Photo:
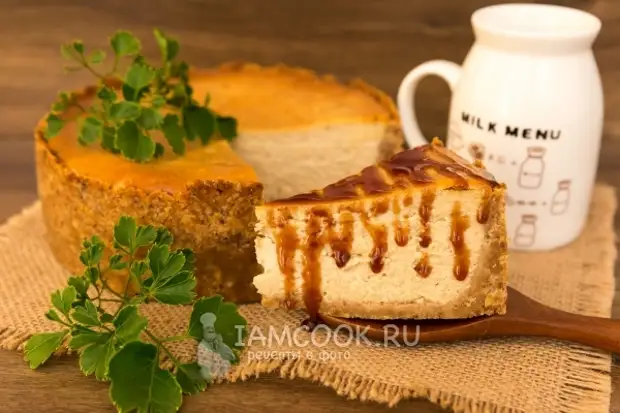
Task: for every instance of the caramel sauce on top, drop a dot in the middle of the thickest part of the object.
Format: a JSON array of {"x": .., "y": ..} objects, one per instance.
[
  {"x": 460, "y": 223},
  {"x": 421, "y": 166}
]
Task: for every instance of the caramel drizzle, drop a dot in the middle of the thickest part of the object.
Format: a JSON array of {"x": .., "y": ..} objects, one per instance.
[
  {"x": 401, "y": 229},
  {"x": 380, "y": 207},
  {"x": 408, "y": 200},
  {"x": 378, "y": 233},
  {"x": 423, "y": 267},
  {"x": 407, "y": 168},
  {"x": 342, "y": 243},
  {"x": 425, "y": 210},
  {"x": 484, "y": 209},
  {"x": 311, "y": 273},
  {"x": 286, "y": 247},
  {"x": 460, "y": 223}
]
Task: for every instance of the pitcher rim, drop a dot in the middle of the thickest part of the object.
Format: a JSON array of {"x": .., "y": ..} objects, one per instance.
[{"x": 589, "y": 24}]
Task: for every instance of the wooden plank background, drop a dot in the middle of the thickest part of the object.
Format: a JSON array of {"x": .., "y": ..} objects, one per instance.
[{"x": 376, "y": 40}]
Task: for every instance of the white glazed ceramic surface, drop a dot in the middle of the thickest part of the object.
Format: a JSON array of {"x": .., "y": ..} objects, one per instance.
[{"x": 528, "y": 102}]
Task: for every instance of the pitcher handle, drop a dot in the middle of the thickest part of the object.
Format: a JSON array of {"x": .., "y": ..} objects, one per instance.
[{"x": 448, "y": 71}]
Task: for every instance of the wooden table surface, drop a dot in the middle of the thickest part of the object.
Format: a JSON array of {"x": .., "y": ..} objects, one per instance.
[{"x": 379, "y": 41}]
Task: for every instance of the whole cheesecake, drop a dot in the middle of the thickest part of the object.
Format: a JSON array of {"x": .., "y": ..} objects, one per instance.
[
  {"x": 296, "y": 130},
  {"x": 421, "y": 235}
]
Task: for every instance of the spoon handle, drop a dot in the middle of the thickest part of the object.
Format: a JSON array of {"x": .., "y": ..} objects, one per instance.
[{"x": 597, "y": 332}]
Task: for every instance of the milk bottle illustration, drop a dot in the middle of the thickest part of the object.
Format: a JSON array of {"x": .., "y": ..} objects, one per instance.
[
  {"x": 561, "y": 199},
  {"x": 525, "y": 235},
  {"x": 532, "y": 169}
]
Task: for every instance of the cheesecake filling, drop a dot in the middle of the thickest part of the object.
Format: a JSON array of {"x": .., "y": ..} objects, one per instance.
[{"x": 426, "y": 243}]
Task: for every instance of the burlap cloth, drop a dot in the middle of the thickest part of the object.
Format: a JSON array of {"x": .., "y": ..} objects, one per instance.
[{"x": 513, "y": 375}]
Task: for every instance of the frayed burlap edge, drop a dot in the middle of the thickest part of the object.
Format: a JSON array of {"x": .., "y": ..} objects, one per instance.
[{"x": 589, "y": 369}]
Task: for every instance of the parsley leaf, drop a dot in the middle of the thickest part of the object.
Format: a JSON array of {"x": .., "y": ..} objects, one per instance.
[
  {"x": 87, "y": 314},
  {"x": 168, "y": 47},
  {"x": 83, "y": 337},
  {"x": 138, "y": 268},
  {"x": 133, "y": 143},
  {"x": 92, "y": 252},
  {"x": 199, "y": 122},
  {"x": 163, "y": 237},
  {"x": 145, "y": 235},
  {"x": 41, "y": 346},
  {"x": 150, "y": 119},
  {"x": 137, "y": 382},
  {"x": 54, "y": 126},
  {"x": 107, "y": 139},
  {"x": 124, "y": 43},
  {"x": 138, "y": 77},
  {"x": 116, "y": 262},
  {"x": 174, "y": 133},
  {"x": 227, "y": 127},
  {"x": 96, "y": 57},
  {"x": 125, "y": 111},
  {"x": 129, "y": 324},
  {"x": 190, "y": 378},
  {"x": 179, "y": 289},
  {"x": 96, "y": 358},
  {"x": 159, "y": 150},
  {"x": 106, "y": 93},
  {"x": 125, "y": 232},
  {"x": 53, "y": 316},
  {"x": 80, "y": 284},
  {"x": 63, "y": 300},
  {"x": 163, "y": 264}
]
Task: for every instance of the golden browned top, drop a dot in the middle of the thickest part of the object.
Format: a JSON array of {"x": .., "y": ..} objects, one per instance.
[
  {"x": 423, "y": 166},
  {"x": 215, "y": 161},
  {"x": 279, "y": 97}
]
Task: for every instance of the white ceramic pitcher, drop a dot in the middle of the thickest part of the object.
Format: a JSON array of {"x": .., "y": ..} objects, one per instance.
[{"x": 528, "y": 102}]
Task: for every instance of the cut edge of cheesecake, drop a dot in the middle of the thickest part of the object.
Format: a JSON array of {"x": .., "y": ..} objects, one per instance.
[{"x": 344, "y": 274}]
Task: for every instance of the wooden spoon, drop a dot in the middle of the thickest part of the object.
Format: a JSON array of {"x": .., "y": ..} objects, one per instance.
[{"x": 524, "y": 317}]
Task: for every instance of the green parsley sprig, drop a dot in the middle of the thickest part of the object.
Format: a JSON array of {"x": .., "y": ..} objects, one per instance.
[
  {"x": 113, "y": 339},
  {"x": 128, "y": 108}
]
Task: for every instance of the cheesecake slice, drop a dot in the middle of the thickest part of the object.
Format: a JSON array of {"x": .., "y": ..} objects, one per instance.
[{"x": 421, "y": 235}]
